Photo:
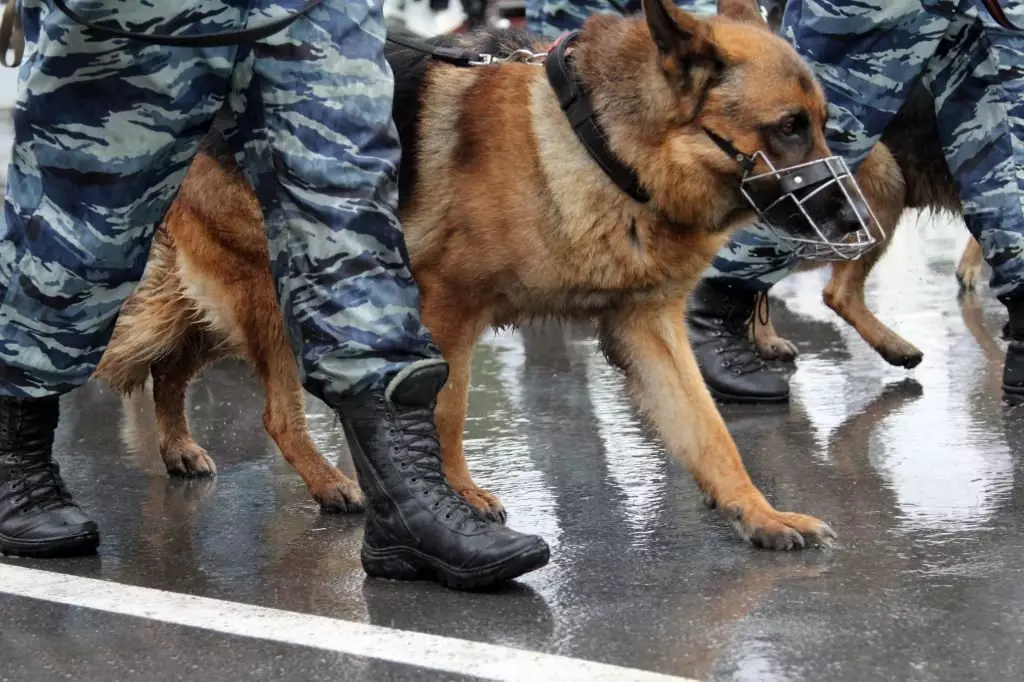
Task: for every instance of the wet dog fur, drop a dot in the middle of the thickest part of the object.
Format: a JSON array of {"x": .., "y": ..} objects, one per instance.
[{"x": 507, "y": 218}]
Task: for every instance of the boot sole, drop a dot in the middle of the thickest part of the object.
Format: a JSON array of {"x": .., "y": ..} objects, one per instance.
[
  {"x": 731, "y": 398},
  {"x": 1013, "y": 394},
  {"x": 76, "y": 545},
  {"x": 406, "y": 563}
]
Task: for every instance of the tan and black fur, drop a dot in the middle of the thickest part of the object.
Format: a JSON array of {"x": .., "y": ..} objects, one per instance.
[{"x": 506, "y": 218}]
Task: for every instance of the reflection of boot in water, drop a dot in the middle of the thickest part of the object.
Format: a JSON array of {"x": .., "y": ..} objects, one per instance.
[{"x": 524, "y": 613}]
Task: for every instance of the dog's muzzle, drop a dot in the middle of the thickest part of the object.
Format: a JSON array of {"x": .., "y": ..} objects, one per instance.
[{"x": 815, "y": 207}]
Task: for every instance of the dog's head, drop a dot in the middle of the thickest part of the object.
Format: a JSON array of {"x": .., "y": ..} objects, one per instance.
[{"x": 732, "y": 101}]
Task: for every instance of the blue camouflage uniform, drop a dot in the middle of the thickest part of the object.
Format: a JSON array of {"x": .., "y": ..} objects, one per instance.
[
  {"x": 105, "y": 130},
  {"x": 867, "y": 56}
]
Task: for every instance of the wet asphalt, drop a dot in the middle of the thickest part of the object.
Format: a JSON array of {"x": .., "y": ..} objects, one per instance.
[{"x": 918, "y": 471}]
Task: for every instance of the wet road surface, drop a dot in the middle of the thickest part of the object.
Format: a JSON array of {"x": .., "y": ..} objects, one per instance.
[{"x": 917, "y": 471}]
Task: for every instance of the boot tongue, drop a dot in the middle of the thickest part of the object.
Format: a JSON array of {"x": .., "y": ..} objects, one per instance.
[{"x": 418, "y": 385}]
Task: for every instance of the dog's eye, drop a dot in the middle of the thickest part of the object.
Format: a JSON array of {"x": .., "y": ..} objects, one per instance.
[{"x": 792, "y": 125}]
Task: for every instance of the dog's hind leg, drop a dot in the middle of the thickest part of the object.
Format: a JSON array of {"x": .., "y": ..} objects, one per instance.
[
  {"x": 653, "y": 348},
  {"x": 455, "y": 326},
  {"x": 968, "y": 271},
  {"x": 284, "y": 413},
  {"x": 172, "y": 374}
]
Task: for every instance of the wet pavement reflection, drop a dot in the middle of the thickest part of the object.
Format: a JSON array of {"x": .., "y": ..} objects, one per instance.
[{"x": 917, "y": 471}]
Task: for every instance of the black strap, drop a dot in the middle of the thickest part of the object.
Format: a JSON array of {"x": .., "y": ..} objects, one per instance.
[
  {"x": 578, "y": 108},
  {"x": 451, "y": 55},
  {"x": 226, "y": 38},
  {"x": 997, "y": 14},
  {"x": 726, "y": 146}
]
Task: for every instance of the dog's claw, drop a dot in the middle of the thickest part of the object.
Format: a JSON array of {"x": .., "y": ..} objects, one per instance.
[
  {"x": 188, "y": 460},
  {"x": 777, "y": 348},
  {"x": 772, "y": 529},
  {"x": 343, "y": 496},
  {"x": 486, "y": 502}
]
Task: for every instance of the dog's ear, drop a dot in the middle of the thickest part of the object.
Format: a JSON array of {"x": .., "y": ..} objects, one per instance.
[
  {"x": 748, "y": 11},
  {"x": 688, "y": 56}
]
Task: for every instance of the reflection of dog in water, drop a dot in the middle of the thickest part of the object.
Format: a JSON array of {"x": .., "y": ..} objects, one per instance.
[{"x": 506, "y": 218}]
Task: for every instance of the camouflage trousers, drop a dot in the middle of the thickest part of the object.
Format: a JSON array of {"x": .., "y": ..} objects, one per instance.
[
  {"x": 867, "y": 56},
  {"x": 105, "y": 131}
]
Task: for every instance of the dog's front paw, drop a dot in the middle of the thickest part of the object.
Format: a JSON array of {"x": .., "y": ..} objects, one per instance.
[
  {"x": 187, "y": 459},
  {"x": 776, "y": 348},
  {"x": 772, "y": 529},
  {"x": 340, "y": 495},
  {"x": 485, "y": 501}
]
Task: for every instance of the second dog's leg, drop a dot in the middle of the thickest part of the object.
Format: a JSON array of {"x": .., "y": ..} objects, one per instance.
[
  {"x": 968, "y": 271},
  {"x": 770, "y": 346},
  {"x": 845, "y": 295},
  {"x": 653, "y": 348}
]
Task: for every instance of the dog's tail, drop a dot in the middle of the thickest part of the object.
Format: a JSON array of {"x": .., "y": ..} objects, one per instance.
[
  {"x": 151, "y": 324},
  {"x": 913, "y": 138}
]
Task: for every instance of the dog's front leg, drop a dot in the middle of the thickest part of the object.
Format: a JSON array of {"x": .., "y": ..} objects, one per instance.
[{"x": 652, "y": 347}]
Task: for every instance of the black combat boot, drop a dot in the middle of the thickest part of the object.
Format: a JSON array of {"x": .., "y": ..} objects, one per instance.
[
  {"x": 417, "y": 527},
  {"x": 719, "y": 319},
  {"x": 37, "y": 516},
  {"x": 1013, "y": 370}
]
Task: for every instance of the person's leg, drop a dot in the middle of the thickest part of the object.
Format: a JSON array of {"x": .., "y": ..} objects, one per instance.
[
  {"x": 551, "y": 18},
  {"x": 104, "y": 133},
  {"x": 323, "y": 153},
  {"x": 979, "y": 93}
]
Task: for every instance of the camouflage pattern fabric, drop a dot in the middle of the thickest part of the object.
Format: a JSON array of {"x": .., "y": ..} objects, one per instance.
[
  {"x": 867, "y": 55},
  {"x": 105, "y": 131},
  {"x": 551, "y": 18}
]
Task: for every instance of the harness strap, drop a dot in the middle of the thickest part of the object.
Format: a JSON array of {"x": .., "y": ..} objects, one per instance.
[
  {"x": 997, "y": 14},
  {"x": 746, "y": 161},
  {"x": 579, "y": 109}
]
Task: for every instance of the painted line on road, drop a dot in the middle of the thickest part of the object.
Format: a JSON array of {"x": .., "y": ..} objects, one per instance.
[{"x": 417, "y": 649}]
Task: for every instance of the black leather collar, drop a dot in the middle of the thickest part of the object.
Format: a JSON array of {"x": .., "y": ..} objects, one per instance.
[{"x": 578, "y": 108}]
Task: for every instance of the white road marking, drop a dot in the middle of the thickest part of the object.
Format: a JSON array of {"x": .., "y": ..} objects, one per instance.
[{"x": 357, "y": 639}]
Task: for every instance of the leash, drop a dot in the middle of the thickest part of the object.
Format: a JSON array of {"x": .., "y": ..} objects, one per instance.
[
  {"x": 459, "y": 57},
  {"x": 995, "y": 11},
  {"x": 11, "y": 36}
]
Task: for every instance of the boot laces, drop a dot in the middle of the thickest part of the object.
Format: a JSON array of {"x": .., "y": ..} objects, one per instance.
[
  {"x": 416, "y": 436},
  {"x": 738, "y": 352},
  {"x": 38, "y": 483}
]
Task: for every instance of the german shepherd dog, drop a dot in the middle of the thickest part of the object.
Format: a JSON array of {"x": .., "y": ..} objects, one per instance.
[
  {"x": 912, "y": 138},
  {"x": 507, "y": 218}
]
